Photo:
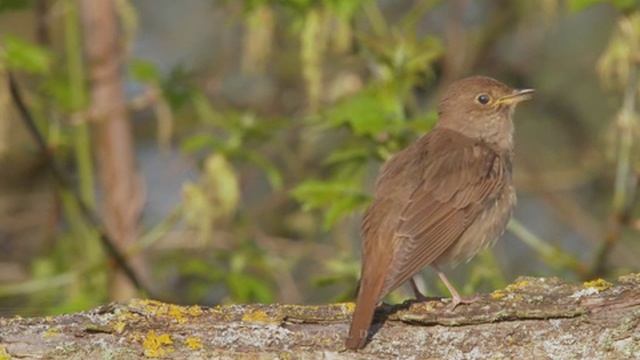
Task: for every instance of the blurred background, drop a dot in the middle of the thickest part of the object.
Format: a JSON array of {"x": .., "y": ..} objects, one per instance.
[{"x": 227, "y": 149}]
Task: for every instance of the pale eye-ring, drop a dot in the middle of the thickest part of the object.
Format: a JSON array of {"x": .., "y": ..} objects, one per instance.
[{"x": 483, "y": 99}]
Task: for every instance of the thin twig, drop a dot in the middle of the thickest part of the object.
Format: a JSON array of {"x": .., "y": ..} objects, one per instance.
[
  {"x": 626, "y": 182},
  {"x": 59, "y": 280},
  {"x": 61, "y": 178},
  {"x": 554, "y": 256}
]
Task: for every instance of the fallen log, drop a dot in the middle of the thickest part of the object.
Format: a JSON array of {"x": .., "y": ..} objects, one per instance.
[{"x": 533, "y": 318}]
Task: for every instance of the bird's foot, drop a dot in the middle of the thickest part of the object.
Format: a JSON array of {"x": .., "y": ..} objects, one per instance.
[{"x": 457, "y": 300}]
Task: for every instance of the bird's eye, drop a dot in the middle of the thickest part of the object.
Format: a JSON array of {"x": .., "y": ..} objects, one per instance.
[{"x": 483, "y": 99}]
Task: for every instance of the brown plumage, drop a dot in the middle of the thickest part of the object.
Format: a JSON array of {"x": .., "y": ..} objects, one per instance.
[{"x": 441, "y": 200}]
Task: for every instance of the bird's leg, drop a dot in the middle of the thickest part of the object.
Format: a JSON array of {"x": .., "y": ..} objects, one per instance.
[
  {"x": 456, "y": 299},
  {"x": 418, "y": 294}
]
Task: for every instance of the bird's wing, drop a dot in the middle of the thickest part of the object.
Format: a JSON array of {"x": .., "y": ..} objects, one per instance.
[{"x": 441, "y": 201}]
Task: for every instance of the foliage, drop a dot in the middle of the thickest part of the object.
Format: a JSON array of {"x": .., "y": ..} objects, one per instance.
[
  {"x": 7, "y": 5},
  {"x": 21, "y": 55},
  {"x": 277, "y": 184},
  {"x": 579, "y": 5}
]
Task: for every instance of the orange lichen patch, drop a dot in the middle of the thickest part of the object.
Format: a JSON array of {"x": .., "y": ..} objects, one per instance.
[
  {"x": 598, "y": 284},
  {"x": 157, "y": 345},
  {"x": 259, "y": 316},
  {"x": 176, "y": 312},
  {"x": 193, "y": 343}
]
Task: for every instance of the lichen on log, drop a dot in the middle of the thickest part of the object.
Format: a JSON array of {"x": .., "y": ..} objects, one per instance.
[{"x": 533, "y": 318}]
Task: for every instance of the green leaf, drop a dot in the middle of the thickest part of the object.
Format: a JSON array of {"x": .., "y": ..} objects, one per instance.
[
  {"x": 7, "y": 5},
  {"x": 579, "y": 5},
  {"x": 346, "y": 8},
  {"x": 273, "y": 174},
  {"x": 316, "y": 193},
  {"x": 348, "y": 155},
  {"x": 200, "y": 142},
  {"x": 144, "y": 71},
  {"x": 248, "y": 288},
  {"x": 369, "y": 112},
  {"x": 298, "y": 5},
  {"x": 25, "y": 56},
  {"x": 337, "y": 198},
  {"x": 626, "y": 4},
  {"x": 205, "y": 110},
  {"x": 341, "y": 208},
  {"x": 178, "y": 87},
  {"x": 57, "y": 87}
]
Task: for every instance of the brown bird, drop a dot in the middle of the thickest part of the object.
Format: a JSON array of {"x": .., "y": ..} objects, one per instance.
[{"x": 441, "y": 200}]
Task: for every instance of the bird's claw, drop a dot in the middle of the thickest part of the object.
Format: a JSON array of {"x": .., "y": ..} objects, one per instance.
[{"x": 457, "y": 300}]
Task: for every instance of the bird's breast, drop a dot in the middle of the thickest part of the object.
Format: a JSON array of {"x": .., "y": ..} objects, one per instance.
[{"x": 484, "y": 231}]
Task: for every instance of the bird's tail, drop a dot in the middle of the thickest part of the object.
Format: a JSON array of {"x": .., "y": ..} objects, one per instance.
[{"x": 363, "y": 315}]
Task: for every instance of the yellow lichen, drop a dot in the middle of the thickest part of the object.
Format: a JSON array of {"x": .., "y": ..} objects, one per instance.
[
  {"x": 51, "y": 332},
  {"x": 176, "y": 312},
  {"x": 498, "y": 294},
  {"x": 501, "y": 293},
  {"x": 349, "y": 307},
  {"x": 193, "y": 343},
  {"x": 257, "y": 316},
  {"x": 123, "y": 318},
  {"x": 194, "y": 310},
  {"x": 4, "y": 355},
  {"x": 517, "y": 285},
  {"x": 157, "y": 345},
  {"x": 119, "y": 326},
  {"x": 598, "y": 284}
]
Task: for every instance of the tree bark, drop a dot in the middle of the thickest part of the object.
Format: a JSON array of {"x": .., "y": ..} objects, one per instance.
[
  {"x": 115, "y": 155},
  {"x": 533, "y": 318}
]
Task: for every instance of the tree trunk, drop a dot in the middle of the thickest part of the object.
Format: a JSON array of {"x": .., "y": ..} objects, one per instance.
[
  {"x": 122, "y": 195},
  {"x": 533, "y": 318}
]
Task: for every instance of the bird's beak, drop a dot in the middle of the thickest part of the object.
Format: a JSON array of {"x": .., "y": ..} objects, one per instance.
[{"x": 517, "y": 96}]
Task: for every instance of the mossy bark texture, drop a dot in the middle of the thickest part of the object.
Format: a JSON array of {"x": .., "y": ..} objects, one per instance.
[{"x": 533, "y": 318}]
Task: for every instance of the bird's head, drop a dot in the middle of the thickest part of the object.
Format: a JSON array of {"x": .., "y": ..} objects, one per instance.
[{"x": 480, "y": 106}]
